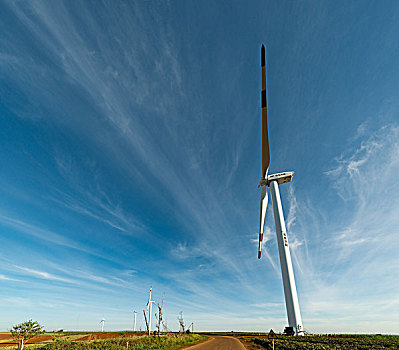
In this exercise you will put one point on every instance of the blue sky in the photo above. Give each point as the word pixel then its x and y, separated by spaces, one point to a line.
pixel 129 152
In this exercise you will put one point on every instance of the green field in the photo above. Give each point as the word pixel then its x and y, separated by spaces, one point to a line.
pixel 336 342
pixel 171 342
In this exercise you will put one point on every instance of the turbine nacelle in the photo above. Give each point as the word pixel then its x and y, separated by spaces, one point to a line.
pixel 281 178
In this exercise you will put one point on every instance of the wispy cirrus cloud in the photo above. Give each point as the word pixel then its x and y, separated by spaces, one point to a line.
pixel 88 198
pixel 360 249
pixel 139 144
pixel 111 96
pixel 365 180
pixel 41 233
pixel 6 278
pixel 79 276
pixel 117 93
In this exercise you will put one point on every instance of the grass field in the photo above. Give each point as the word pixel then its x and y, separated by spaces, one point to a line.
pixel 170 342
pixel 336 342
pixel 138 341
pixel 119 341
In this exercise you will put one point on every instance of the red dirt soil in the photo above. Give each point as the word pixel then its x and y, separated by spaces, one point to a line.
pixel 42 337
pixel 39 338
pixel 5 336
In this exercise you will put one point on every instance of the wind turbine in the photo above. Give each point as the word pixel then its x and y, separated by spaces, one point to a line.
pixel 102 324
pixel 149 310
pixel 134 325
pixel 272 181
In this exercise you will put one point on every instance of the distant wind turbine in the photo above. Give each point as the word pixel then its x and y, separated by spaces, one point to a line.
pixel 272 181
pixel 149 310
pixel 134 325
pixel 102 324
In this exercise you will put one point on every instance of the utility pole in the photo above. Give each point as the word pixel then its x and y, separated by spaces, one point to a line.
pixel 146 323
pixel 159 318
pixel 181 322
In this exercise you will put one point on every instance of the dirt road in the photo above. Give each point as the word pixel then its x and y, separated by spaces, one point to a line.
pixel 219 343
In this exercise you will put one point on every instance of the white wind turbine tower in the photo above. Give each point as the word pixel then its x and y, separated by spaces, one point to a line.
pixel 272 181
pixel 134 325
pixel 102 324
pixel 149 310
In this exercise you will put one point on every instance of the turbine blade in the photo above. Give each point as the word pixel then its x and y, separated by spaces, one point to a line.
pixel 263 207
pixel 265 158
